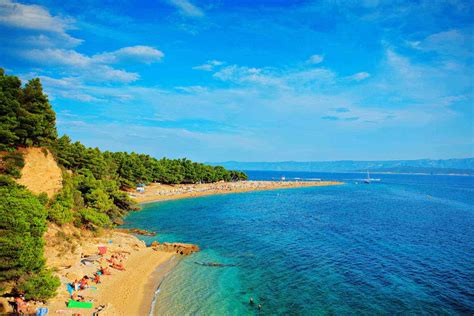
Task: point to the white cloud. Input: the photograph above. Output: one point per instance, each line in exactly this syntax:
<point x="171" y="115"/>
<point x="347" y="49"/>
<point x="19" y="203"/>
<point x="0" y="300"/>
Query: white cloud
<point x="315" y="75"/>
<point x="242" y="74"/>
<point x="283" y="79"/>
<point x="35" y="17"/>
<point x="359" y="76"/>
<point x="75" y="88"/>
<point x="404" y="81"/>
<point x="107" y="73"/>
<point x="95" y="67"/>
<point x="192" y="89"/>
<point x="316" y="59"/>
<point x="39" y="41"/>
<point x="187" y="8"/>
<point x="452" y="99"/>
<point x="77" y="63"/>
<point x="144" y="54"/>
<point x="57" y="56"/>
<point x="453" y="42"/>
<point x="210" y="65"/>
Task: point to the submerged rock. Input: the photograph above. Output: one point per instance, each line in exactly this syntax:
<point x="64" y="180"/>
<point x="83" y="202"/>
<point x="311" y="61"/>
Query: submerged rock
<point x="136" y="231"/>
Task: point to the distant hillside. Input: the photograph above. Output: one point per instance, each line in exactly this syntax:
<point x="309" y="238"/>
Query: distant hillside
<point x="423" y="170"/>
<point x="446" y="166"/>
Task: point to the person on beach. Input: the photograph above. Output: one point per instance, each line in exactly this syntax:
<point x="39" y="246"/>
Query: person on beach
<point x="96" y="279"/>
<point x="84" y="282"/>
<point x="76" y="285"/>
<point x="20" y="305"/>
<point x="76" y="297"/>
<point x="105" y="271"/>
<point x="118" y="266"/>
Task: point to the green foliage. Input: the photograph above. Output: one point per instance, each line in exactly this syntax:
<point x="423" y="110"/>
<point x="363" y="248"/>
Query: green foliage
<point x="11" y="164"/>
<point x="99" y="176"/>
<point x="43" y="198"/>
<point x="26" y="117"/>
<point x="129" y="169"/>
<point x="6" y="181"/>
<point x="40" y="286"/>
<point x="22" y="225"/>
<point x="93" y="218"/>
<point x="60" y="210"/>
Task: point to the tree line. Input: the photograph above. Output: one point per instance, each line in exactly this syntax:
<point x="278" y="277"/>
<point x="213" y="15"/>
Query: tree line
<point x="129" y="169"/>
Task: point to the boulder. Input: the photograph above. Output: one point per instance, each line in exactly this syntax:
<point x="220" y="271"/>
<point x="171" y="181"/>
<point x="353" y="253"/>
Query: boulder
<point x="178" y="248"/>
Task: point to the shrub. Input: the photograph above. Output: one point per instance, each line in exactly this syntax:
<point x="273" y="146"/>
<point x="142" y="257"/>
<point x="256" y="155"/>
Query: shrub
<point x="59" y="213"/>
<point x="40" y="286"/>
<point x="43" y="198"/>
<point x="60" y="210"/>
<point x="90" y="217"/>
<point x="12" y="163"/>
<point x="22" y="225"/>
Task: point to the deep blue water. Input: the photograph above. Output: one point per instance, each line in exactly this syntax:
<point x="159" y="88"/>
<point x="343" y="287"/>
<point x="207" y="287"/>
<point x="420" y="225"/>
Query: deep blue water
<point x="401" y="246"/>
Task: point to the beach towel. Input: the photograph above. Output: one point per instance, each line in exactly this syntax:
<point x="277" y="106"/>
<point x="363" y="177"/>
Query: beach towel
<point x="90" y="259"/>
<point x="102" y="250"/>
<point x="75" y="304"/>
<point x="70" y="288"/>
<point x="42" y="311"/>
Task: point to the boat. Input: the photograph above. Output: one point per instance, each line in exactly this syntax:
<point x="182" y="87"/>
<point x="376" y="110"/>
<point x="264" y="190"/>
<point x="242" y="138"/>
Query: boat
<point x="369" y="179"/>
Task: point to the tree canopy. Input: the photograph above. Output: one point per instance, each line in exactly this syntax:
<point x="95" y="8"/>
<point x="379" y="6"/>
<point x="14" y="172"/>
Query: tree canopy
<point x="26" y="116"/>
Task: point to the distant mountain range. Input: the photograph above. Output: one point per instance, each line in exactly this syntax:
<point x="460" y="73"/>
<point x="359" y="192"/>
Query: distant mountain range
<point x="427" y="166"/>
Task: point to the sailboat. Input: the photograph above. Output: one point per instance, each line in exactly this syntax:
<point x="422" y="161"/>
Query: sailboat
<point x="369" y="179"/>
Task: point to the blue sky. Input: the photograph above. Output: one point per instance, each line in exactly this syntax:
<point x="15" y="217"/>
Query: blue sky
<point x="252" y="80"/>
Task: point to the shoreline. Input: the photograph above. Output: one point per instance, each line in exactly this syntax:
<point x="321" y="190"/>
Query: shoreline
<point x="128" y="292"/>
<point x="160" y="192"/>
<point x="154" y="284"/>
<point x="133" y="292"/>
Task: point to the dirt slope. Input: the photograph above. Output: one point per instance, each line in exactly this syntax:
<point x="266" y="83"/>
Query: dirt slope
<point x="41" y="173"/>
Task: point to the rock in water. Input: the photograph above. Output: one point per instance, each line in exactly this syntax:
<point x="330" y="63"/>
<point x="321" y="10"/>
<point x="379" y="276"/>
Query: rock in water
<point x="178" y="248"/>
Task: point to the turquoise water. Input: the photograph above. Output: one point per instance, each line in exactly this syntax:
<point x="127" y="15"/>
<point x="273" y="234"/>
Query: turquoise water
<point x="402" y="246"/>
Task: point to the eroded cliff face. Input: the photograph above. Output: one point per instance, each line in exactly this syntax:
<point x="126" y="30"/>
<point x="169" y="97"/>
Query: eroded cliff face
<point x="41" y="173"/>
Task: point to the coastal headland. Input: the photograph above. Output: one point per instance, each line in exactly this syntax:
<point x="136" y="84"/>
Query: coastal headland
<point x="161" y="192"/>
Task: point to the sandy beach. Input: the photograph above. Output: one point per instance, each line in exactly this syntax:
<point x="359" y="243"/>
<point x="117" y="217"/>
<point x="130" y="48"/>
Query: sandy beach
<point x="160" y="192"/>
<point x="128" y="292"/>
<point x="131" y="292"/>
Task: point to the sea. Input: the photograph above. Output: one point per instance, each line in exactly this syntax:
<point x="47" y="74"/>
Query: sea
<point x="401" y="246"/>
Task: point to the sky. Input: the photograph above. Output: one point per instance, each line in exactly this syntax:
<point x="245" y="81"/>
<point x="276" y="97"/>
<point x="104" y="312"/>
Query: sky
<point x="220" y="80"/>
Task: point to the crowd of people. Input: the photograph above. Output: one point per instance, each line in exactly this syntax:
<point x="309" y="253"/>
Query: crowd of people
<point x="116" y="261"/>
<point x="75" y="288"/>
